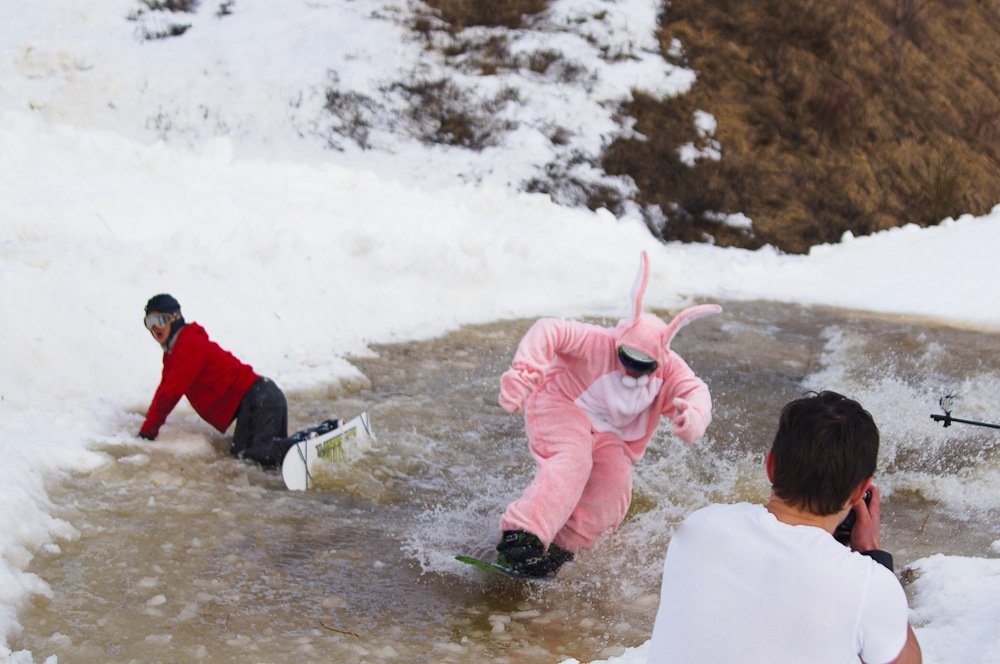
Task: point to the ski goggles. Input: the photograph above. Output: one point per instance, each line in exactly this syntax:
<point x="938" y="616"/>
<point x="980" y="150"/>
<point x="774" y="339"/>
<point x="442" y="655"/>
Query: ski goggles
<point x="637" y="361"/>
<point x="157" y="319"/>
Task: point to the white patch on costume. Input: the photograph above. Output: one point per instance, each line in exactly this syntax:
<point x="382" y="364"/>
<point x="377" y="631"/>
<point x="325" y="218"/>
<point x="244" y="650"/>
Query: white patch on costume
<point x="637" y="381"/>
<point x="612" y="405"/>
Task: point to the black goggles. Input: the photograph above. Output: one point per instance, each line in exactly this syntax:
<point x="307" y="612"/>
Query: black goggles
<point x="636" y="361"/>
<point x="157" y="319"/>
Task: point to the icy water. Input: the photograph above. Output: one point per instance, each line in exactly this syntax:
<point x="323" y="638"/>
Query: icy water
<point x="193" y="556"/>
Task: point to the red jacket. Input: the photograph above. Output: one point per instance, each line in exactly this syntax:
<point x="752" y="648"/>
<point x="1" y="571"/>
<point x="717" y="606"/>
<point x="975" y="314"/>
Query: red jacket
<point x="211" y="378"/>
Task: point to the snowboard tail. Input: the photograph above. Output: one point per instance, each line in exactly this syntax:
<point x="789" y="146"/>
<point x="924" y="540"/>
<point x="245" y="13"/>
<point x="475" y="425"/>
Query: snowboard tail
<point x="329" y="442"/>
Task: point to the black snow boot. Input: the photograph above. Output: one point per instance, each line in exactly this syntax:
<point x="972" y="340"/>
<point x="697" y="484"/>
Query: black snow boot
<point x="326" y="426"/>
<point x="525" y="553"/>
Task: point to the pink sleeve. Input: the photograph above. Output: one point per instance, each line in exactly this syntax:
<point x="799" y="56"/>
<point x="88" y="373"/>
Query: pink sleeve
<point x="544" y="340"/>
<point x="693" y="414"/>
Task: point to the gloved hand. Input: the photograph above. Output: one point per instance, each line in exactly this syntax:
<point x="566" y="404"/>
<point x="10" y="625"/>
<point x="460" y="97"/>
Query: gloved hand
<point x="145" y="436"/>
<point x="515" y="387"/>
<point x="689" y="423"/>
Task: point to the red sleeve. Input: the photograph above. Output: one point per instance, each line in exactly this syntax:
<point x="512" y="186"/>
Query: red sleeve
<point x="181" y="367"/>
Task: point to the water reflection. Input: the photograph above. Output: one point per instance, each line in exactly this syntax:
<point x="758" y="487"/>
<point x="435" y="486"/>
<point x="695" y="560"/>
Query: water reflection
<point x="196" y="557"/>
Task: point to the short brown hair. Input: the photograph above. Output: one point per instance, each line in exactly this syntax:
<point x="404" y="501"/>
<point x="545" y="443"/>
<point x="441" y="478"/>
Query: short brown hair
<point x="825" y="446"/>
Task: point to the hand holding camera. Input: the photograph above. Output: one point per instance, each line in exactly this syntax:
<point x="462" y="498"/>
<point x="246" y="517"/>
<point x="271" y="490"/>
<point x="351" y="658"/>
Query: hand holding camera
<point x="860" y="529"/>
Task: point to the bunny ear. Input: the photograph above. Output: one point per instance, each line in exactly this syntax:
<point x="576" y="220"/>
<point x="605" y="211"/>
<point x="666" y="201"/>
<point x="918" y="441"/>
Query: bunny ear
<point x="686" y="316"/>
<point x="639" y="288"/>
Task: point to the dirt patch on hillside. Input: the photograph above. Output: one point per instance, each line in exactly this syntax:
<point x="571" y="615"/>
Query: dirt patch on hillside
<point x="832" y="116"/>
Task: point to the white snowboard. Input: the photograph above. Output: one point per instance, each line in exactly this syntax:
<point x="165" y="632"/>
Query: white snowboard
<point x="345" y="444"/>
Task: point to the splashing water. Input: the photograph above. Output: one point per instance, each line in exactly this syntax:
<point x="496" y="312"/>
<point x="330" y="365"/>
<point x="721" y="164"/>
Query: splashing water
<point x="192" y="556"/>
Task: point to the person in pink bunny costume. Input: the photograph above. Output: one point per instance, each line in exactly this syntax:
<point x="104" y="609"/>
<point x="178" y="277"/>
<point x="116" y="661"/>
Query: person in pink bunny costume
<point x="592" y="397"/>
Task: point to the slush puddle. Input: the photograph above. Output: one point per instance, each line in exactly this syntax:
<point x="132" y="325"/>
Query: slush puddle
<point x="184" y="554"/>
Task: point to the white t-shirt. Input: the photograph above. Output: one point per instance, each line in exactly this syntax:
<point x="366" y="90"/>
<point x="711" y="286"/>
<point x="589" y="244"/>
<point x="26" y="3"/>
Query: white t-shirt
<point x="739" y="586"/>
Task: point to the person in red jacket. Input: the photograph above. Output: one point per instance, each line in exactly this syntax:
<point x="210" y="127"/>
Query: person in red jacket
<point x="219" y="387"/>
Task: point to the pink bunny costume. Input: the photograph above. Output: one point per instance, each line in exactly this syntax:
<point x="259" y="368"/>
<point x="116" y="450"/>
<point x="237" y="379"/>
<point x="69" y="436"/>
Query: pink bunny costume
<point x="588" y="421"/>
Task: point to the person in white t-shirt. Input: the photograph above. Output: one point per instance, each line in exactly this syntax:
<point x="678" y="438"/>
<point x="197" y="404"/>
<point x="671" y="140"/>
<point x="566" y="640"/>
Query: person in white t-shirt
<point x="769" y="583"/>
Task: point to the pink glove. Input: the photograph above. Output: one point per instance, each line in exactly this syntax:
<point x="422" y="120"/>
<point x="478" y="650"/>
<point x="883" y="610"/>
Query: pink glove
<point x="515" y="387"/>
<point x="689" y="423"/>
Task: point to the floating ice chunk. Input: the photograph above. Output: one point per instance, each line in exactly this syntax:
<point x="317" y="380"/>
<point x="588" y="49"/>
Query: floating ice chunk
<point x="530" y="613"/>
<point x="157" y="600"/>
<point x="334" y="602"/>
<point x="135" y="460"/>
<point x="499" y="623"/>
<point x="61" y="640"/>
<point x="189" y="612"/>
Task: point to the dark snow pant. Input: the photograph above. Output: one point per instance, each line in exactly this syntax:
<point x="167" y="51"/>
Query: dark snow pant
<point x="262" y="424"/>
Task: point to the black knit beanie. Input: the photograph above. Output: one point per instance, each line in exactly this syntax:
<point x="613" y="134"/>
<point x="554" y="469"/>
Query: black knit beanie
<point x="163" y="303"/>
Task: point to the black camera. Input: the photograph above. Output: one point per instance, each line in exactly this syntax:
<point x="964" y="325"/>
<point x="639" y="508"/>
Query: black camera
<point x="842" y="533"/>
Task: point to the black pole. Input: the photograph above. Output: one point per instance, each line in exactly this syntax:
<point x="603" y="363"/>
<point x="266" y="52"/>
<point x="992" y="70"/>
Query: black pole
<point x="947" y="419"/>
